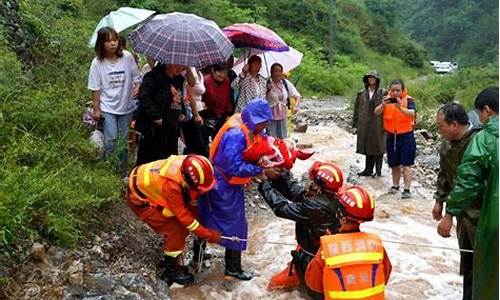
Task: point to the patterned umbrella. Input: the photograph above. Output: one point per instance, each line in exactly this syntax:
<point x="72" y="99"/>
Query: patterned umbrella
<point x="254" y="36"/>
<point x="182" y="39"/>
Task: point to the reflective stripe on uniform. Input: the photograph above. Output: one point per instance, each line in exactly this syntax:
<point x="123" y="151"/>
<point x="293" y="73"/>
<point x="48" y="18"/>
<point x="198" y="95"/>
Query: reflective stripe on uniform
<point x="145" y="174"/>
<point x="172" y="253"/>
<point x="362" y="294"/>
<point x="354" y="257"/>
<point x="167" y="213"/>
<point x="193" y="226"/>
<point x="164" y="169"/>
<point x="152" y="192"/>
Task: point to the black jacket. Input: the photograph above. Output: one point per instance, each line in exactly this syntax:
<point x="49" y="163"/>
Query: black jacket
<point x="313" y="215"/>
<point x="155" y="99"/>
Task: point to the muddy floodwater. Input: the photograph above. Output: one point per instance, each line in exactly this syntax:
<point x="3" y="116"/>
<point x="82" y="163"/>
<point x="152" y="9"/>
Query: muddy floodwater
<point x="121" y="259"/>
<point x="418" y="272"/>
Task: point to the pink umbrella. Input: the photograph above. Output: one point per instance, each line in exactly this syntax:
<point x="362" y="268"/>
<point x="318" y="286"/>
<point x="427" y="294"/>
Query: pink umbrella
<point x="247" y="35"/>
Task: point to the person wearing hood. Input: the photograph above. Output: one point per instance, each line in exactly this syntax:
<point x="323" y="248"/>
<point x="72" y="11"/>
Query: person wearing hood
<point x="223" y="208"/>
<point x="477" y="176"/>
<point x="369" y="126"/>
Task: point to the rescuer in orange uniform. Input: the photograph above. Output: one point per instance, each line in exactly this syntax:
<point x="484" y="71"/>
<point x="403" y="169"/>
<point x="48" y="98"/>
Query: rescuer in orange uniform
<point x="163" y="194"/>
<point x="351" y="264"/>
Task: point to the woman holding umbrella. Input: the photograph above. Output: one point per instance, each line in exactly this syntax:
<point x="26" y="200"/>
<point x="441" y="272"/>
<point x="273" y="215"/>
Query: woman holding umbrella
<point x="175" y="41"/>
<point x="250" y="83"/>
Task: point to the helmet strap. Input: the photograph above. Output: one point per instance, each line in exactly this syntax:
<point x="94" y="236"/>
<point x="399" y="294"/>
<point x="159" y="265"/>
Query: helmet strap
<point x="189" y="182"/>
<point x="186" y="196"/>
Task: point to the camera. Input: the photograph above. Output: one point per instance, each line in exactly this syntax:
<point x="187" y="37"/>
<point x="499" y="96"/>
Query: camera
<point x="392" y="100"/>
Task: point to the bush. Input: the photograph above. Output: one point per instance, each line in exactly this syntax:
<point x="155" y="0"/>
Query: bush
<point x="50" y="185"/>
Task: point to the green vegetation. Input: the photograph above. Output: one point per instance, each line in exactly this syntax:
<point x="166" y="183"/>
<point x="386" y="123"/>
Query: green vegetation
<point x="52" y="188"/>
<point x="454" y="30"/>
<point x="50" y="185"/>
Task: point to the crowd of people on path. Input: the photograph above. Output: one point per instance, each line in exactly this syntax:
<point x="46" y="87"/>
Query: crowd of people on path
<point x="234" y="129"/>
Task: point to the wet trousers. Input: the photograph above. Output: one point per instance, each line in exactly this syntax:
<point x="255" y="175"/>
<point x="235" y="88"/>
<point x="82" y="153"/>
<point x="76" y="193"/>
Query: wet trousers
<point x="374" y="161"/>
<point x="232" y="260"/>
<point x="194" y="139"/>
<point x="300" y="260"/>
<point x="173" y="232"/>
<point x="465" y="233"/>
<point x="156" y="142"/>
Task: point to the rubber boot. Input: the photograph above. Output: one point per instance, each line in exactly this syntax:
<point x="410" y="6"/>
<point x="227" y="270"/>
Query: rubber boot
<point x="174" y="272"/>
<point x="378" y="164"/>
<point x="232" y="260"/>
<point x="368" y="171"/>
<point x="199" y="247"/>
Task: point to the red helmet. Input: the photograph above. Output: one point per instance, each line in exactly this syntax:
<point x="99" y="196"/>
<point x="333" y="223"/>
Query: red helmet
<point x="328" y="176"/>
<point x="198" y="173"/>
<point x="358" y="204"/>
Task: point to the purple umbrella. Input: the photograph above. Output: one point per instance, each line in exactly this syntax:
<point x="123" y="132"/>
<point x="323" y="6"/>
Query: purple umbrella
<point x="182" y="39"/>
<point x="247" y="35"/>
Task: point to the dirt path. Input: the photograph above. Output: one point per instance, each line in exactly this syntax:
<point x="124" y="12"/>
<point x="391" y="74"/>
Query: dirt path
<point x="120" y="261"/>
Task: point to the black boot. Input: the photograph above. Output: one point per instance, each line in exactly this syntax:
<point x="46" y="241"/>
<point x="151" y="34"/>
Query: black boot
<point x="174" y="272"/>
<point x="378" y="164"/>
<point x="368" y="171"/>
<point x="233" y="266"/>
<point x="199" y="253"/>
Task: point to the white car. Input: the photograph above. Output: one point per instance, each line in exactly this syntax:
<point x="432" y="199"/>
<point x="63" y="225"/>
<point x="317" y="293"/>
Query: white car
<point x="445" y="68"/>
<point x="434" y="63"/>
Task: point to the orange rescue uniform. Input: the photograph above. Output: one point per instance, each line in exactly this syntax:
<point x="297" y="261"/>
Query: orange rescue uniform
<point x="395" y="121"/>
<point x="349" y="266"/>
<point x="158" y="195"/>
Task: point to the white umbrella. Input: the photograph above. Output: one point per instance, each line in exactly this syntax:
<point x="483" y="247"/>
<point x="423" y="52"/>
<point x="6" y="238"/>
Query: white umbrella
<point x="121" y="19"/>
<point x="289" y="60"/>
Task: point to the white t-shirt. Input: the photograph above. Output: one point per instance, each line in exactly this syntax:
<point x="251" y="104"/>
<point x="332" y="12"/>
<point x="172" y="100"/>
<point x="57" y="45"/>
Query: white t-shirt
<point x="115" y="81"/>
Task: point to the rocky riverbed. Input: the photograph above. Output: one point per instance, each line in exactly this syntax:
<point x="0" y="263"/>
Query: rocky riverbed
<point x="120" y="260"/>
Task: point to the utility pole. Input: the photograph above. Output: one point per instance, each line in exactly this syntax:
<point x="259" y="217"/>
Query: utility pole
<point x="330" y="32"/>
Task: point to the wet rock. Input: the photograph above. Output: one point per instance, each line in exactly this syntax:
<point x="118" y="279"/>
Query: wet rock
<point x="75" y="272"/>
<point x="301" y="127"/>
<point x="425" y="134"/>
<point x="57" y="256"/>
<point x="31" y="290"/>
<point x="104" y="283"/>
<point x="134" y="282"/>
<point x="305" y="146"/>
<point x="381" y="214"/>
<point x="408" y="208"/>
<point x="38" y="252"/>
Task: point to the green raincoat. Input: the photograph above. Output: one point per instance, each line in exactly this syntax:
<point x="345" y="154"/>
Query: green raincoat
<point x="478" y="173"/>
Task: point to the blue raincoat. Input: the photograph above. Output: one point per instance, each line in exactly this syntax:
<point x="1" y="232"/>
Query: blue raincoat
<point x="223" y="207"/>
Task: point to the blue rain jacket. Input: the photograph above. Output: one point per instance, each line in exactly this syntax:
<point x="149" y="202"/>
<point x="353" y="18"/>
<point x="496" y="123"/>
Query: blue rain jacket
<point x="223" y="207"/>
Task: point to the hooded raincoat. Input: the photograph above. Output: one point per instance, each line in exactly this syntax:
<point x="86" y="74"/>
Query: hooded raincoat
<point x="370" y="130"/>
<point x="223" y="207"/>
<point x="478" y="174"/>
